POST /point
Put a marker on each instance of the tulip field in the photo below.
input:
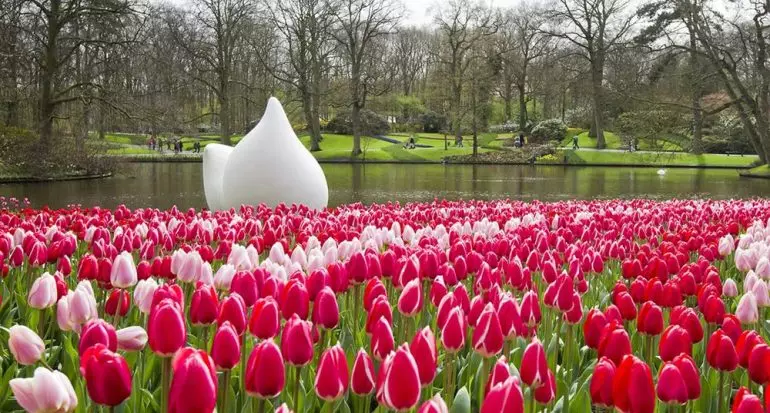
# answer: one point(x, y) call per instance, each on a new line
point(622, 305)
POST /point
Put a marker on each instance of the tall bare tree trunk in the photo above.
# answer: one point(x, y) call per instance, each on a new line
point(522, 107)
point(695, 87)
point(49, 72)
point(597, 76)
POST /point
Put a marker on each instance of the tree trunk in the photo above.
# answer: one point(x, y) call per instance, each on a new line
point(598, 103)
point(224, 118)
point(763, 91)
point(355, 118)
point(695, 87)
point(307, 109)
point(47, 76)
point(522, 107)
point(456, 106)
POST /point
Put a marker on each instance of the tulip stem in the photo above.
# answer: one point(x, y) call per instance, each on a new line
point(165, 383)
point(298, 371)
point(260, 405)
point(225, 388)
point(567, 371)
point(244, 351)
point(532, 401)
point(449, 378)
point(356, 304)
point(483, 377)
point(720, 391)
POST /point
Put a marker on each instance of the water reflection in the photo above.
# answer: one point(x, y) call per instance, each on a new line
point(165, 184)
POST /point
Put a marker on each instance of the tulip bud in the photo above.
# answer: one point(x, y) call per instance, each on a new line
point(233, 309)
point(380, 308)
point(593, 326)
point(382, 342)
point(504, 397)
point(326, 312)
point(759, 364)
point(25, 345)
point(98, 332)
point(534, 367)
point(265, 372)
point(729, 288)
point(194, 382)
point(143, 294)
point(117, 296)
point(166, 330)
point(204, 305)
point(362, 377)
point(265, 320)
point(720, 352)
point(45, 391)
point(132, 338)
point(454, 330)
point(423, 348)
point(650, 319)
point(488, 334)
point(224, 277)
point(632, 389)
point(297, 341)
point(434, 405)
point(601, 382)
point(500, 372)
point(284, 409)
point(674, 341)
point(226, 347)
point(747, 310)
point(410, 300)
point(745, 402)
point(398, 384)
point(107, 376)
point(671, 387)
point(123, 273)
point(42, 294)
point(245, 284)
point(331, 380)
point(294, 300)
point(746, 342)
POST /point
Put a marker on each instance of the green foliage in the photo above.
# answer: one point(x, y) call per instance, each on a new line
point(411, 105)
point(548, 130)
point(655, 127)
point(372, 124)
point(433, 122)
point(728, 135)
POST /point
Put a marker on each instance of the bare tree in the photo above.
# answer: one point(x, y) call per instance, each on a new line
point(306, 30)
point(360, 23)
point(210, 35)
point(461, 25)
point(521, 42)
point(595, 27)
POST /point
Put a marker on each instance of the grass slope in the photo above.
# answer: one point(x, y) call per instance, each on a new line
point(662, 159)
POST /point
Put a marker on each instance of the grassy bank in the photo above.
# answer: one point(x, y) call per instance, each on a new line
point(758, 172)
point(663, 159)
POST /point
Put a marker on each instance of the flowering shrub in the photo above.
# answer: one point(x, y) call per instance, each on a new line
point(478, 306)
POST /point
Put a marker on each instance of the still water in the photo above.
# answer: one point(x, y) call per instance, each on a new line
point(165, 184)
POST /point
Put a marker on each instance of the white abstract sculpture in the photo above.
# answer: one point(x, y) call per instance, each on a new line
point(269, 165)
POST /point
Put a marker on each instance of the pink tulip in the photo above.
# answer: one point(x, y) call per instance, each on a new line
point(488, 335)
point(362, 377)
point(410, 300)
point(331, 380)
point(42, 294)
point(132, 338)
point(194, 382)
point(123, 273)
point(26, 346)
point(265, 375)
point(423, 348)
point(46, 391)
point(398, 383)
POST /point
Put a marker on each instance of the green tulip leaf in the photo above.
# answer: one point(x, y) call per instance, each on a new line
point(462, 402)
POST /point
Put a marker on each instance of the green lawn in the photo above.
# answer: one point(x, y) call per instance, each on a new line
point(662, 159)
point(760, 171)
point(613, 141)
point(337, 147)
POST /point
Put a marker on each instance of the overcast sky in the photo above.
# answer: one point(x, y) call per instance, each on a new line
point(420, 12)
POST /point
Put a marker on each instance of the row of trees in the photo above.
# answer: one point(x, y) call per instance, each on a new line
point(69, 68)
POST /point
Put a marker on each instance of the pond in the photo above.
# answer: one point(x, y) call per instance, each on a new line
point(165, 184)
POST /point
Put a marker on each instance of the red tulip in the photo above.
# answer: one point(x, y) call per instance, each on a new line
point(746, 342)
point(410, 300)
point(245, 284)
point(505, 397)
point(398, 384)
point(233, 309)
point(500, 372)
point(226, 347)
point(713, 310)
point(297, 341)
point(626, 305)
point(593, 327)
point(746, 402)
point(111, 306)
point(265, 374)
point(166, 330)
point(720, 352)
point(373, 289)
point(172, 291)
point(732, 327)
point(204, 305)
point(382, 342)
point(671, 387)
point(650, 319)
point(614, 343)
point(453, 332)
point(674, 341)
point(423, 348)
point(326, 312)
point(107, 376)
point(688, 318)
point(488, 335)
point(510, 320)
point(601, 382)
point(530, 309)
point(689, 371)
point(194, 382)
point(380, 308)
point(95, 332)
point(265, 320)
point(362, 378)
point(759, 364)
point(294, 300)
point(534, 367)
point(331, 380)
point(632, 389)
point(438, 290)
point(547, 391)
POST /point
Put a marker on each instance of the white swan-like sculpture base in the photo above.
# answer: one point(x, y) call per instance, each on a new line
point(269, 165)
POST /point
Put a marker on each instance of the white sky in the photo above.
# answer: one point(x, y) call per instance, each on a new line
point(420, 12)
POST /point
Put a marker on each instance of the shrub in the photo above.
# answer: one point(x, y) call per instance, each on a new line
point(433, 122)
point(549, 130)
point(580, 117)
point(508, 127)
point(371, 123)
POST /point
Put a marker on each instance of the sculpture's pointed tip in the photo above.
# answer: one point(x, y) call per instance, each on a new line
point(273, 108)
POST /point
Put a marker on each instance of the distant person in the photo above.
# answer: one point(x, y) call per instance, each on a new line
point(168, 144)
point(575, 145)
point(160, 145)
point(521, 140)
point(410, 143)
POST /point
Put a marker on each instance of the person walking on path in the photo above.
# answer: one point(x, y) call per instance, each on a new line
point(575, 145)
